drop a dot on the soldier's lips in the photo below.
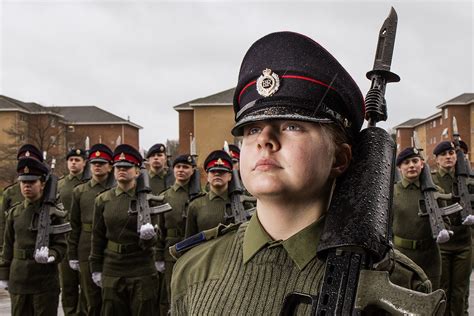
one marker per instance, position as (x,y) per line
(265,164)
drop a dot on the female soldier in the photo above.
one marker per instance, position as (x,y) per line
(297,110)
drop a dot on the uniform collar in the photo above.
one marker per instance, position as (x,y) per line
(160,174)
(301,247)
(34,204)
(406,183)
(119,191)
(95,182)
(71,177)
(442,172)
(224,196)
(176,187)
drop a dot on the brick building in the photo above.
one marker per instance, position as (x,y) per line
(55,130)
(438,127)
(209,120)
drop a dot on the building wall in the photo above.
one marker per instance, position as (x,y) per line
(404,138)
(11,120)
(106,134)
(212,126)
(186,126)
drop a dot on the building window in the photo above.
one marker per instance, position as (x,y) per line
(446,113)
(52,122)
(441,121)
(434,141)
(22,138)
(71,146)
(52,140)
(398,133)
(23,117)
(434,123)
(70,129)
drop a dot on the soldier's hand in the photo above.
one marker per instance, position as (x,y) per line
(74,264)
(97,278)
(469,220)
(3,284)
(42,256)
(160,266)
(147,231)
(444,236)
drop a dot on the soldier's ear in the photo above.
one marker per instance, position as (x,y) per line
(342,159)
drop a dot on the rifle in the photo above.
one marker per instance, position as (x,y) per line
(195,181)
(143,209)
(356,240)
(236,190)
(48,207)
(169,178)
(429,204)
(87,174)
(462,174)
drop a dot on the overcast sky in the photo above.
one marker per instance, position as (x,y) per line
(138,59)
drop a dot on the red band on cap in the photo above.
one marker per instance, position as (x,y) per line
(234,154)
(126,157)
(288,77)
(99,154)
(218,163)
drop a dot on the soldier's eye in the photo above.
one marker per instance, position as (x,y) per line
(253,130)
(292,127)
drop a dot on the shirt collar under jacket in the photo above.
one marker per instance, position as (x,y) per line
(176,187)
(95,182)
(119,191)
(77,176)
(406,183)
(224,196)
(301,247)
(442,172)
(160,174)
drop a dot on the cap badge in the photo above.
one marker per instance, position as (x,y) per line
(97,153)
(219,162)
(162,148)
(78,151)
(268,83)
(26,170)
(190,159)
(415,151)
(122,156)
(27,154)
(452,145)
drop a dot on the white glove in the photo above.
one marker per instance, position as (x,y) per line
(147,231)
(42,256)
(444,236)
(97,278)
(160,266)
(469,220)
(3,284)
(74,264)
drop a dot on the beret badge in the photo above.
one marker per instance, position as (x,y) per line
(162,148)
(27,154)
(78,151)
(190,159)
(415,151)
(268,83)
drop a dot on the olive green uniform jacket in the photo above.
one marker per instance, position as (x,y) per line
(65,186)
(11,195)
(117,249)
(17,265)
(157,181)
(207,211)
(455,254)
(245,272)
(412,232)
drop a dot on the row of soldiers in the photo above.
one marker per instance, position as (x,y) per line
(444,255)
(106,265)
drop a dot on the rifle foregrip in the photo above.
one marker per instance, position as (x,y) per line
(375,291)
(51,189)
(426,181)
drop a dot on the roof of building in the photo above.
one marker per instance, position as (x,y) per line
(409,124)
(90,114)
(80,115)
(219,99)
(465,98)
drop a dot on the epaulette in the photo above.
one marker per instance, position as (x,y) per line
(434,172)
(10,185)
(13,206)
(181,247)
(61,177)
(201,194)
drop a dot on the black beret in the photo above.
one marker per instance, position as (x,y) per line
(287,75)
(76,152)
(463,146)
(100,153)
(406,153)
(29,151)
(186,159)
(157,148)
(443,146)
(127,156)
(30,169)
(218,160)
